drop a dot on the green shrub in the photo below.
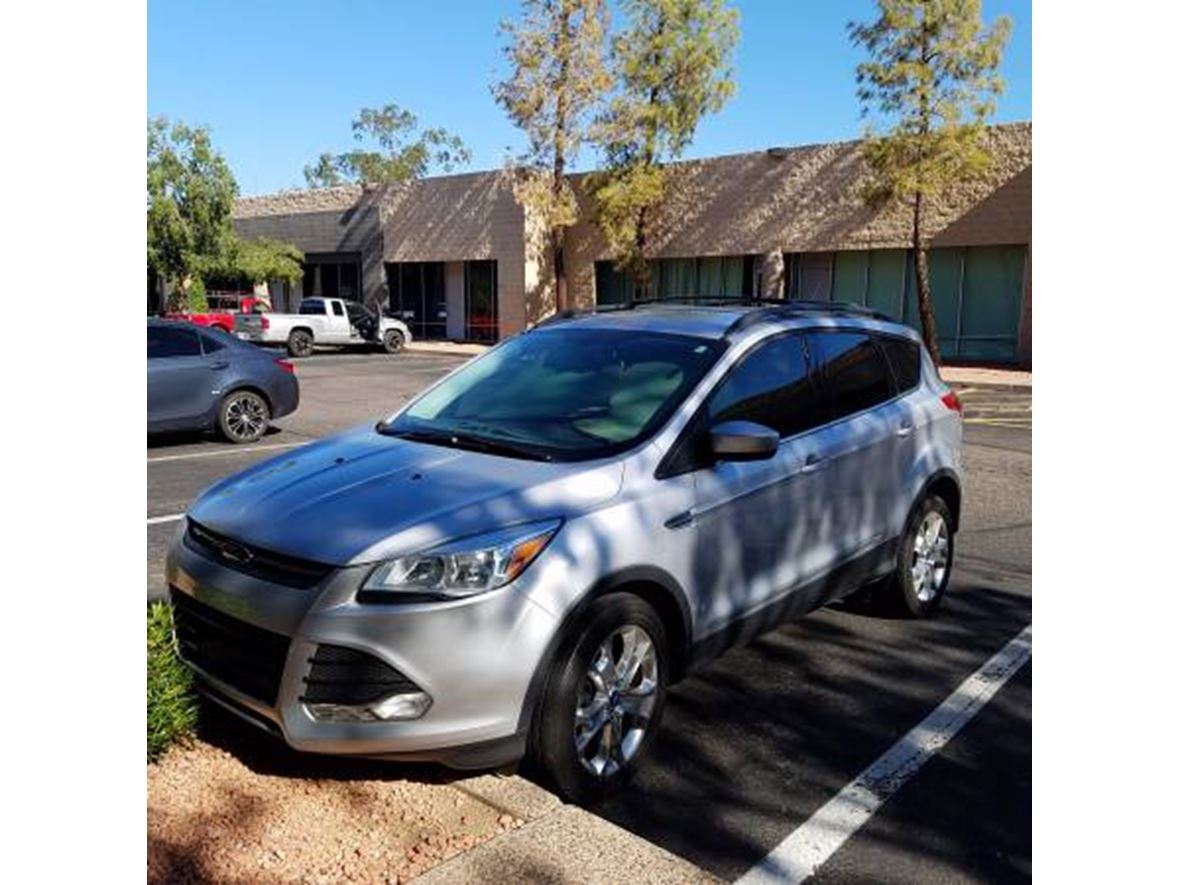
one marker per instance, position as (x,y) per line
(171,705)
(197,302)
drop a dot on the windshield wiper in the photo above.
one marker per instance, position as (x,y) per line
(459,440)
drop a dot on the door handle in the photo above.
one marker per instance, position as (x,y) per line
(905,428)
(680,520)
(220,364)
(814,462)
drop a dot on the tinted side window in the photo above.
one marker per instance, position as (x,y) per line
(905,359)
(337,309)
(312,308)
(167,341)
(773,386)
(210,342)
(854,372)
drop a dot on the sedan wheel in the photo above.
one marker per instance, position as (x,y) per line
(244,417)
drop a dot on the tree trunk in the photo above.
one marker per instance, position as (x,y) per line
(922,275)
(640,260)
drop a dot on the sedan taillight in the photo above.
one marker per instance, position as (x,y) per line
(951,400)
(265,323)
(286,366)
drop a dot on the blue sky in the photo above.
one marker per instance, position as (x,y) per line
(279,82)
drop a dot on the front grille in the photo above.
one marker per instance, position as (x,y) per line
(277,568)
(342,675)
(247,658)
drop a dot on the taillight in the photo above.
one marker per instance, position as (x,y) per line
(951,400)
(286,366)
(265,323)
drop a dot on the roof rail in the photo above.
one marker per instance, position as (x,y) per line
(783,310)
(766,309)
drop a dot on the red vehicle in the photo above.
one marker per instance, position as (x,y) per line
(222,308)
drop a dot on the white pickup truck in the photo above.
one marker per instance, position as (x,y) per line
(332,321)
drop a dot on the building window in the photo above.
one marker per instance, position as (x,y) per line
(332,275)
(417,296)
(480,321)
(977,293)
(721,276)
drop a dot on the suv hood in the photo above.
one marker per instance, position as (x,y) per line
(363,496)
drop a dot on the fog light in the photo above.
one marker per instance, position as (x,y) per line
(393,708)
(402,706)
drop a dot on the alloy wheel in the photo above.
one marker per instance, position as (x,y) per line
(616,700)
(245,417)
(931,554)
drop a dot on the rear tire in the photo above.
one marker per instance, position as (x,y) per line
(243,417)
(393,341)
(924,558)
(300,343)
(604,699)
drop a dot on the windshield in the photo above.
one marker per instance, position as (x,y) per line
(562,394)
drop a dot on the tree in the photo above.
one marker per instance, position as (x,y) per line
(398,151)
(258,260)
(190,200)
(672,64)
(932,63)
(557,55)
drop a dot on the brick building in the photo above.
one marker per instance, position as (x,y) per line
(457,258)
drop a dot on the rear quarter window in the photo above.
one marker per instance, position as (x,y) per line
(905,359)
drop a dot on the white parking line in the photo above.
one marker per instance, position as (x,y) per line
(234,451)
(806,848)
(156,520)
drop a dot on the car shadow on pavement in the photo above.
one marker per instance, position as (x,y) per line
(757,741)
(176,438)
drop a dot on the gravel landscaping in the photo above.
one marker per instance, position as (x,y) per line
(240,808)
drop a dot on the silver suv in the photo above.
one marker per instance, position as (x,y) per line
(522,559)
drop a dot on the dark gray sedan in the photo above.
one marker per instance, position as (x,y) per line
(200,379)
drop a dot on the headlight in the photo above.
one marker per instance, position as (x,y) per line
(461,568)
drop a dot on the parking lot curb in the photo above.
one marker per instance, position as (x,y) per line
(566,844)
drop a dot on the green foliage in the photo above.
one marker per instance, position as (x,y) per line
(932,72)
(556,52)
(672,64)
(396,151)
(171,705)
(197,302)
(258,260)
(190,200)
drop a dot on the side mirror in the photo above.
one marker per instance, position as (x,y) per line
(743,441)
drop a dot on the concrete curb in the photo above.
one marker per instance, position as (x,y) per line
(449,348)
(558,843)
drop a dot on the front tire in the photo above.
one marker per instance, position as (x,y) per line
(243,417)
(924,558)
(393,341)
(300,343)
(604,700)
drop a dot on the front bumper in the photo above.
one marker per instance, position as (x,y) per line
(474,657)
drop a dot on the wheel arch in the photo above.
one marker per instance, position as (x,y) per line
(239,386)
(946,485)
(654,586)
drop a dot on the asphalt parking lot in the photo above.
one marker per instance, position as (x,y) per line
(754,744)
